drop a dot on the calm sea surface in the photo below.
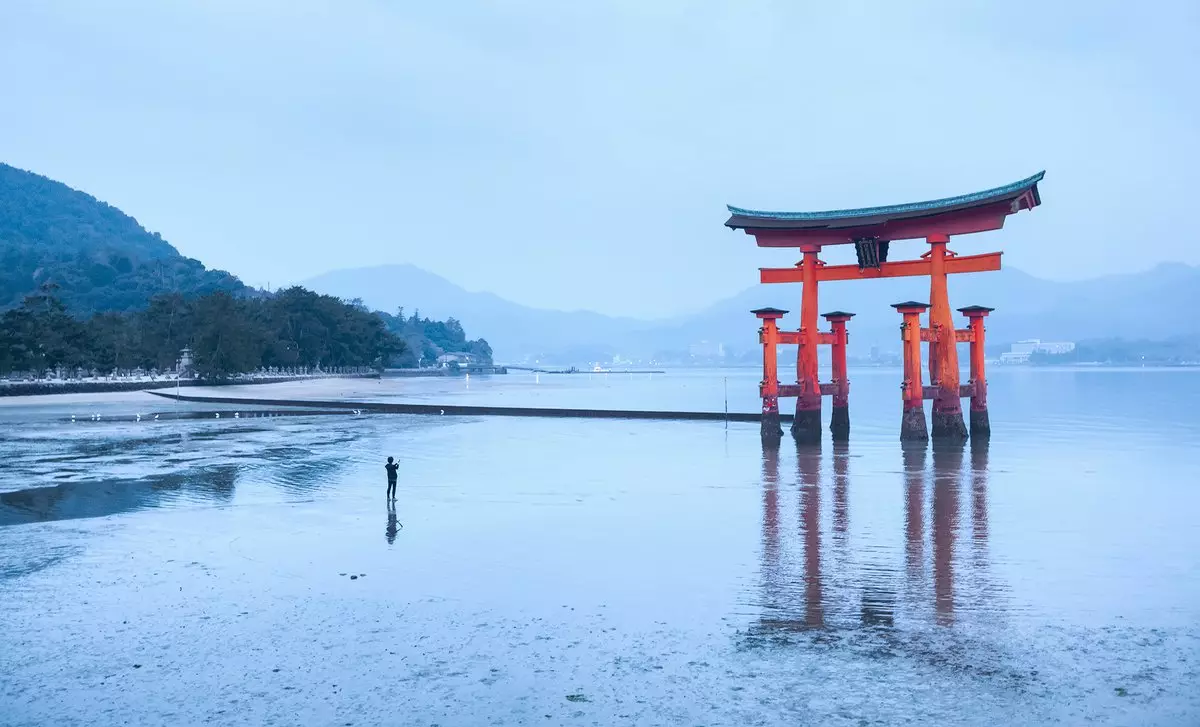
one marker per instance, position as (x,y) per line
(541,571)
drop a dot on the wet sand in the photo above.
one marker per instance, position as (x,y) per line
(596,572)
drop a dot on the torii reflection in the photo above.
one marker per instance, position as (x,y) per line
(803,588)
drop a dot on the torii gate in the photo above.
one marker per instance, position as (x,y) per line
(871,230)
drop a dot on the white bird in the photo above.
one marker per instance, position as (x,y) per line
(155,417)
(138,417)
(218,415)
(237,415)
(72,417)
(443,411)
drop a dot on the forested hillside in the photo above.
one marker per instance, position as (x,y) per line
(100,258)
(426,339)
(84,286)
(227,335)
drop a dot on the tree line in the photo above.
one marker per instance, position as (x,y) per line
(426,339)
(227,335)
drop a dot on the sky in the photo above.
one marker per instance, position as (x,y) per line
(580,155)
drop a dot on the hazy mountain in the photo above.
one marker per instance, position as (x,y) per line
(100,257)
(514,331)
(1153,304)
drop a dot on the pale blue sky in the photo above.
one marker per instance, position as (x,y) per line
(579,155)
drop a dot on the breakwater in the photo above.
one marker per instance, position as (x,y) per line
(376,407)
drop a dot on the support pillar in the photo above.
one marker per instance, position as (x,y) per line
(912,422)
(947,408)
(981,426)
(806,427)
(768,388)
(840,424)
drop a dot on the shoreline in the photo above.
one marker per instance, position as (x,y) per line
(46,388)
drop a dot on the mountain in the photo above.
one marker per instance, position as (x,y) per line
(1154,304)
(100,258)
(514,331)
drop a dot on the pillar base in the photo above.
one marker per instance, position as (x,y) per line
(772,432)
(912,426)
(949,425)
(981,426)
(806,427)
(840,424)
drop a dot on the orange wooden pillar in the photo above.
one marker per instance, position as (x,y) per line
(768,388)
(981,425)
(840,424)
(806,427)
(943,353)
(912,422)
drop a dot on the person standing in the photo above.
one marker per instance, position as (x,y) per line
(392,468)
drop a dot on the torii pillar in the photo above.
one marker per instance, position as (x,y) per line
(839,426)
(768,336)
(981,426)
(806,427)
(912,422)
(943,352)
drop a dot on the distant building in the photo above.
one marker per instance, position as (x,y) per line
(1021,351)
(460,358)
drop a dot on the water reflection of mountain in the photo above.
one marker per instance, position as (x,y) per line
(813,577)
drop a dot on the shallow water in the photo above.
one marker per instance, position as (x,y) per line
(539,571)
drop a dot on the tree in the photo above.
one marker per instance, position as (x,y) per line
(227,341)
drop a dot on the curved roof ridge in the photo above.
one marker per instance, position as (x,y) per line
(932,204)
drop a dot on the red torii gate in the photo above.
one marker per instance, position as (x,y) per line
(871,230)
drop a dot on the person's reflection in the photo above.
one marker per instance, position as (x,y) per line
(947,473)
(809,461)
(393,526)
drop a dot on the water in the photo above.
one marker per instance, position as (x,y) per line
(540,571)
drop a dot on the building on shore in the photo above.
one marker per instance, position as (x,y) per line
(1022,351)
(457,358)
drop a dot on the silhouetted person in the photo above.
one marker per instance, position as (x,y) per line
(392,469)
(392,526)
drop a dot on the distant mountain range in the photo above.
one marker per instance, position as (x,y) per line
(514,330)
(1157,304)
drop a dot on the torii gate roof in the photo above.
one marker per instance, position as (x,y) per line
(975,212)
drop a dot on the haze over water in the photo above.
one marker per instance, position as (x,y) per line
(540,571)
